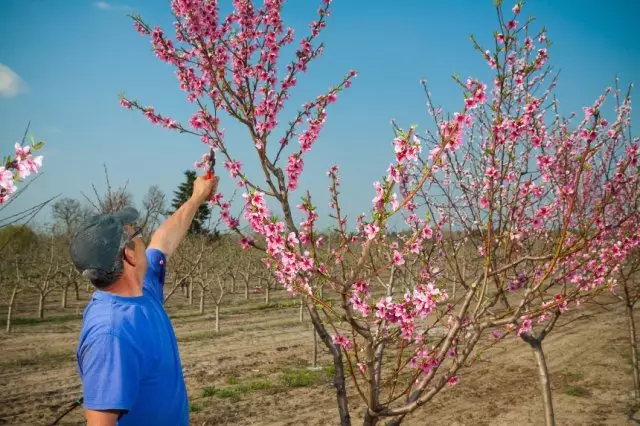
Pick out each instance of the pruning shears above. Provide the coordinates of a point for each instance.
(212, 163)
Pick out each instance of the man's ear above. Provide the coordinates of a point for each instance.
(129, 256)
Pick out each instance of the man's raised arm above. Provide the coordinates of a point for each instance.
(173, 230)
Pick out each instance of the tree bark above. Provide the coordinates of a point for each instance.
(41, 306)
(545, 382)
(339, 377)
(370, 420)
(77, 290)
(12, 301)
(202, 301)
(266, 294)
(314, 360)
(634, 349)
(190, 289)
(301, 311)
(64, 298)
(217, 318)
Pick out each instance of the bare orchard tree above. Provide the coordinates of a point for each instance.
(44, 272)
(153, 209)
(111, 200)
(183, 265)
(10, 286)
(629, 293)
(68, 212)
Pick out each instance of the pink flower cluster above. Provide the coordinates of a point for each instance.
(290, 267)
(24, 164)
(416, 305)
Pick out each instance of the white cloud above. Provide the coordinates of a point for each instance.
(10, 83)
(103, 5)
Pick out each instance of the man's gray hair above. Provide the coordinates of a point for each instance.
(101, 279)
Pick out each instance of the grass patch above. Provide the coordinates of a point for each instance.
(34, 321)
(230, 393)
(255, 385)
(237, 388)
(203, 335)
(277, 305)
(195, 408)
(43, 358)
(303, 377)
(574, 375)
(208, 391)
(577, 391)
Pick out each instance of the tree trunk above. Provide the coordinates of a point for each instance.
(41, 306)
(12, 301)
(301, 311)
(202, 301)
(233, 284)
(266, 294)
(545, 382)
(246, 290)
(339, 376)
(370, 420)
(77, 290)
(64, 298)
(314, 361)
(217, 318)
(634, 350)
(190, 292)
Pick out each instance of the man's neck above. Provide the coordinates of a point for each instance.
(125, 287)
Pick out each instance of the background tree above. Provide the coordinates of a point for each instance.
(182, 194)
(153, 209)
(68, 212)
(19, 243)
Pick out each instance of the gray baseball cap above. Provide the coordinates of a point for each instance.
(100, 238)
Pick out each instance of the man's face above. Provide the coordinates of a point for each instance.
(139, 255)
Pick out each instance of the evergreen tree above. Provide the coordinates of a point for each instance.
(182, 194)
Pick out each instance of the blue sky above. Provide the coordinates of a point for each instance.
(74, 57)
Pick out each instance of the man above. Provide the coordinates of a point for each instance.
(127, 355)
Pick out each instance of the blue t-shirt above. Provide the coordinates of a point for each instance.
(128, 355)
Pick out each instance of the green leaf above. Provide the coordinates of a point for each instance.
(37, 146)
(497, 3)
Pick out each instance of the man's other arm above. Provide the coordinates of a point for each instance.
(170, 234)
(102, 418)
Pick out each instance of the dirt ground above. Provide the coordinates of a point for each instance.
(256, 370)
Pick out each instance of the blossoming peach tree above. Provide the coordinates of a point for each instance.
(514, 207)
(17, 168)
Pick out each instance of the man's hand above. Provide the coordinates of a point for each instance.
(204, 189)
(169, 235)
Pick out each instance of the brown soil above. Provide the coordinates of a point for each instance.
(256, 370)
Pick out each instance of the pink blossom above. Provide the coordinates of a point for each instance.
(398, 258)
(342, 342)
(453, 380)
(245, 243)
(525, 327)
(6, 180)
(371, 230)
(234, 167)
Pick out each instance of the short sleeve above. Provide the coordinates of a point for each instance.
(154, 278)
(110, 372)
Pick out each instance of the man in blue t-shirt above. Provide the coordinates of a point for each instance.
(127, 355)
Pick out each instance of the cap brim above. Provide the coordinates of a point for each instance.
(127, 215)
